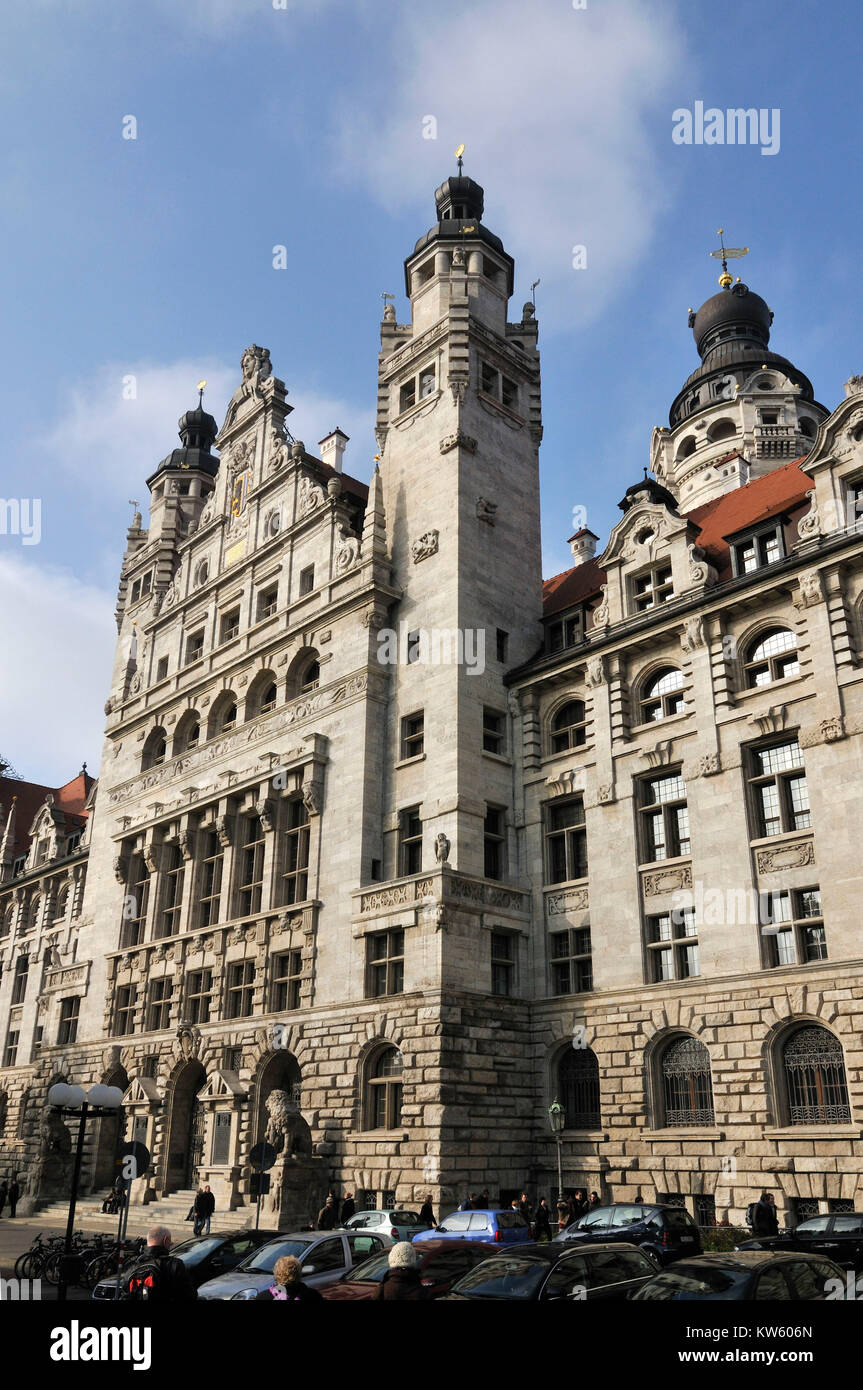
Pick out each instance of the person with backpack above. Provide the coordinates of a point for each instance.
(158, 1276)
(287, 1286)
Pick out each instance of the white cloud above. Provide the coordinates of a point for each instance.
(52, 692)
(564, 113)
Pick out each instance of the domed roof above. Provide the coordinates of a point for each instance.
(736, 308)
(459, 205)
(197, 430)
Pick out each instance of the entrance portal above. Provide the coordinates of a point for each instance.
(188, 1117)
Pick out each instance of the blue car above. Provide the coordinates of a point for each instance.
(497, 1227)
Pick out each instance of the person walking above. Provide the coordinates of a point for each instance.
(764, 1219)
(14, 1194)
(208, 1206)
(4, 1194)
(542, 1222)
(402, 1279)
(349, 1208)
(427, 1211)
(579, 1204)
(198, 1211)
(287, 1286)
(327, 1216)
(525, 1208)
(333, 1196)
(157, 1275)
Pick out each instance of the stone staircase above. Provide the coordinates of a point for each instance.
(170, 1211)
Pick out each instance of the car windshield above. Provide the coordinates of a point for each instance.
(192, 1252)
(504, 1276)
(265, 1258)
(692, 1281)
(371, 1271)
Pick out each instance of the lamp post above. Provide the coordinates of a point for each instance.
(557, 1120)
(73, 1100)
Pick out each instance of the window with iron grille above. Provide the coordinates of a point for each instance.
(68, 1029)
(241, 988)
(840, 1204)
(172, 891)
(503, 956)
(672, 946)
(686, 1084)
(159, 1004)
(198, 992)
(664, 817)
(388, 1200)
(578, 1088)
(662, 695)
(367, 1201)
(652, 588)
(124, 1009)
(569, 727)
(161, 668)
(705, 1209)
(804, 1208)
(794, 930)
(286, 982)
(251, 866)
(565, 841)
(19, 979)
(150, 1067)
(672, 1199)
(494, 842)
(413, 735)
(771, 657)
(136, 902)
(210, 878)
(814, 1067)
(571, 961)
(493, 731)
(232, 1059)
(10, 1052)
(294, 850)
(779, 796)
(384, 1090)
(410, 841)
(385, 965)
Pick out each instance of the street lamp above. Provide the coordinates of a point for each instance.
(557, 1120)
(73, 1100)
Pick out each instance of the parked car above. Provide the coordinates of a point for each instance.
(551, 1271)
(746, 1274)
(442, 1262)
(665, 1233)
(204, 1257)
(324, 1256)
(395, 1225)
(839, 1236)
(500, 1227)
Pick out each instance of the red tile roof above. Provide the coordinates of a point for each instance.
(30, 796)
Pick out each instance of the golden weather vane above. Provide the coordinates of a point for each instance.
(726, 253)
(458, 154)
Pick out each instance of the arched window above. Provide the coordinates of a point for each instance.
(5, 920)
(154, 750)
(662, 695)
(771, 657)
(304, 674)
(723, 429)
(188, 733)
(578, 1088)
(806, 427)
(815, 1082)
(31, 912)
(262, 696)
(687, 447)
(384, 1090)
(223, 716)
(569, 727)
(311, 677)
(62, 901)
(687, 1092)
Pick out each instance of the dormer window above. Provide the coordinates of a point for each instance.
(763, 547)
(652, 588)
(567, 632)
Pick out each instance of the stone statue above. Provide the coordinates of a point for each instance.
(441, 848)
(49, 1173)
(287, 1131)
(256, 368)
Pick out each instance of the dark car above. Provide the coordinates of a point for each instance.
(324, 1257)
(748, 1274)
(839, 1236)
(550, 1271)
(205, 1257)
(665, 1233)
(442, 1263)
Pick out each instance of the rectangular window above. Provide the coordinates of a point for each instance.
(672, 946)
(653, 588)
(146, 583)
(494, 842)
(565, 842)
(19, 979)
(124, 1010)
(136, 902)
(502, 645)
(161, 668)
(232, 1058)
(410, 841)
(794, 931)
(493, 732)
(566, 632)
(159, 1004)
(251, 866)
(194, 646)
(10, 1052)
(287, 978)
(68, 1030)
(756, 551)
(241, 988)
(664, 818)
(198, 989)
(229, 627)
(508, 393)
(408, 395)
(307, 580)
(488, 379)
(295, 853)
(210, 878)
(413, 735)
(855, 502)
(571, 961)
(268, 602)
(385, 963)
(779, 796)
(502, 963)
(172, 891)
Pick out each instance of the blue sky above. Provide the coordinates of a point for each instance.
(303, 126)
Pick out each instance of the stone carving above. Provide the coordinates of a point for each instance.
(605, 793)
(441, 848)
(693, 634)
(424, 546)
(135, 684)
(708, 765)
(459, 440)
(660, 754)
(223, 830)
(576, 900)
(853, 385)
(596, 672)
(458, 387)
(287, 1131)
(387, 897)
(832, 729)
(772, 721)
(313, 796)
(374, 619)
(49, 1173)
(186, 844)
(486, 510)
(348, 552)
(700, 570)
(108, 706)
(151, 857)
(256, 367)
(667, 881)
(809, 526)
(188, 1041)
(280, 450)
(810, 591)
(441, 918)
(566, 782)
(120, 869)
(774, 861)
(310, 496)
(601, 614)
(265, 814)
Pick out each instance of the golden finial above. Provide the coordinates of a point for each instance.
(201, 385)
(459, 156)
(723, 254)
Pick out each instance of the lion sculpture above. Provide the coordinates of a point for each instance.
(287, 1131)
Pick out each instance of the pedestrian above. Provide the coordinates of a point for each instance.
(542, 1222)
(110, 1203)
(564, 1212)
(157, 1275)
(208, 1206)
(469, 1203)
(335, 1200)
(327, 1216)
(595, 1200)
(198, 1211)
(14, 1194)
(287, 1286)
(349, 1208)
(483, 1200)
(402, 1279)
(4, 1193)
(764, 1219)
(427, 1211)
(579, 1204)
(525, 1208)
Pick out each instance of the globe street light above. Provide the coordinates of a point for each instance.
(73, 1100)
(557, 1120)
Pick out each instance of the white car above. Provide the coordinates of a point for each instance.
(393, 1225)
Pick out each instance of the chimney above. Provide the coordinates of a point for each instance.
(332, 447)
(583, 545)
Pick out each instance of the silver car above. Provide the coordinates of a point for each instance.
(392, 1225)
(324, 1257)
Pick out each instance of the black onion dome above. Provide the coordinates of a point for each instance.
(459, 203)
(197, 430)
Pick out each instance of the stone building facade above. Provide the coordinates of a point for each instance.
(386, 824)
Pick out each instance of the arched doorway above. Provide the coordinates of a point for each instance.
(109, 1132)
(188, 1117)
(281, 1072)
